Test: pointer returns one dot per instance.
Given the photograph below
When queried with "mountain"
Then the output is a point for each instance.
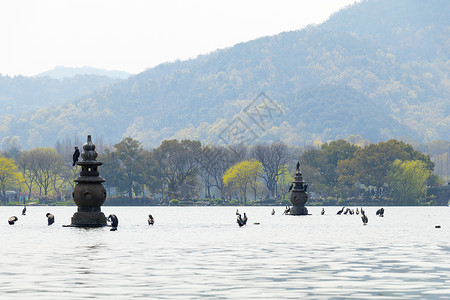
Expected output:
(379, 69)
(21, 94)
(60, 72)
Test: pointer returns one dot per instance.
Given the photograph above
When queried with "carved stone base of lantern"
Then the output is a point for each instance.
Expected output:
(298, 211)
(88, 219)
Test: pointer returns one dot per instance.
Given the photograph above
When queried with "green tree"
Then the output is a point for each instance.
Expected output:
(27, 165)
(48, 165)
(407, 181)
(178, 163)
(242, 176)
(9, 176)
(131, 166)
(370, 165)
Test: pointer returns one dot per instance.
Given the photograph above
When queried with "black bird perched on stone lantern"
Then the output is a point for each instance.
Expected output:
(50, 218)
(12, 220)
(151, 221)
(114, 222)
(290, 187)
(76, 155)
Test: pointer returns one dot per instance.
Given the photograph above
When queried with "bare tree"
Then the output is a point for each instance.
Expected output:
(272, 157)
(178, 162)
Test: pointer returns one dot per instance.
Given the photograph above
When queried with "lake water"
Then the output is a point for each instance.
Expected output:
(200, 252)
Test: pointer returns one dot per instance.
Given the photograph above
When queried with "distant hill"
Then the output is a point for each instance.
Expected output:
(378, 68)
(60, 72)
(21, 95)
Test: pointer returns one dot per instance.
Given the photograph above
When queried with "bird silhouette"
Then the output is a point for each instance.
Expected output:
(114, 222)
(151, 221)
(298, 165)
(12, 220)
(357, 211)
(273, 211)
(242, 220)
(76, 155)
(50, 218)
(322, 212)
(24, 210)
(380, 212)
(290, 187)
(340, 211)
(364, 218)
(287, 210)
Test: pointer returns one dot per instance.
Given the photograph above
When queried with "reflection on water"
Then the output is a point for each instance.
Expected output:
(195, 252)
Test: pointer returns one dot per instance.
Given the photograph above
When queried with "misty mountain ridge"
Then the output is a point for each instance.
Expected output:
(378, 69)
(60, 72)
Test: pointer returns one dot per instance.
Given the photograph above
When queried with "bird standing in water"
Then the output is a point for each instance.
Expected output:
(242, 220)
(76, 155)
(151, 221)
(364, 217)
(12, 220)
(340, 212)
(114, 222)
(380, 212)
(50, 218)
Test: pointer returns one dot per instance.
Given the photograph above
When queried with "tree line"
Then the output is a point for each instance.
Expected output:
(337, 172)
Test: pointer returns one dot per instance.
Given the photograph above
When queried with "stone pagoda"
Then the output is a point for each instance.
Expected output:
(299, 196)
(89, 193)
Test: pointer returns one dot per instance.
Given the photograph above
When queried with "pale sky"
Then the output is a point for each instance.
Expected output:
(134, 35)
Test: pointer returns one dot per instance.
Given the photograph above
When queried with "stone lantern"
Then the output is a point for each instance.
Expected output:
(299, 196)
(89, 194)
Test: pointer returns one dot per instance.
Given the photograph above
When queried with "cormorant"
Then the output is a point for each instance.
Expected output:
(76, 155)
(237, 212)
(273, 211)
(114, 222)
(340, 212)
(380, 212)
(298, 165)
(287, 210)
(151, 221)
(24, 210)
(12, 220)
(357, 211)
(364, 218)
(290, 187)
(50, 218)
(323, 211)
(242, 220)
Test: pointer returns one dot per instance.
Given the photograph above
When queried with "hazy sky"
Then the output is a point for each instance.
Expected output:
(133, 35)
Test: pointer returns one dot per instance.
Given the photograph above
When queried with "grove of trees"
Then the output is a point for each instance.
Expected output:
(337, 172)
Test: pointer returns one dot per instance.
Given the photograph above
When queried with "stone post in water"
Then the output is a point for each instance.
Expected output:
(89, 193)
(299, 196)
